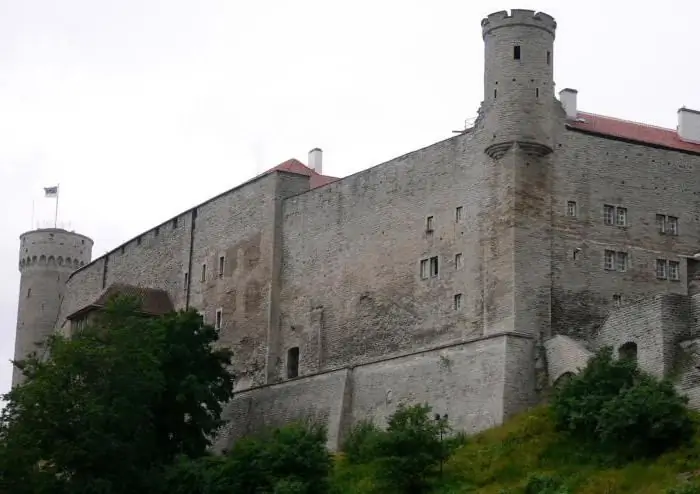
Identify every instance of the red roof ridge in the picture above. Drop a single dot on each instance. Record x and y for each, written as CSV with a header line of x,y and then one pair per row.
x,y
624,120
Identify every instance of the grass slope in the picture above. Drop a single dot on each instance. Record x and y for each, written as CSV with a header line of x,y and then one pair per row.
x,y
502,461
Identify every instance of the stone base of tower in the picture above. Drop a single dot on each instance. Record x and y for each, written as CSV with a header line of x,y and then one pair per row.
x,y
478,384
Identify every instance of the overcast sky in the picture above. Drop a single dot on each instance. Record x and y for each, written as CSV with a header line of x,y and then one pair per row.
x,y
144,108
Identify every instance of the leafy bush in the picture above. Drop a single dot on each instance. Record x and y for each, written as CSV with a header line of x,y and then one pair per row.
x,y
360,446
410,450
545,484
684,489
613,405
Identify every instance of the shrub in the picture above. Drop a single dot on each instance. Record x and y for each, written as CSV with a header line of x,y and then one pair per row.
x,y
684,489
410,450
362,442
545,484
612,405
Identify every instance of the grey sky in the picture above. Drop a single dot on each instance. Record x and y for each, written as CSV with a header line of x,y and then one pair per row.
x,y
143,108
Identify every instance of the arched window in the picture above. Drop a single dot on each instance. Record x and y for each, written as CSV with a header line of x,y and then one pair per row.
x,y
628,351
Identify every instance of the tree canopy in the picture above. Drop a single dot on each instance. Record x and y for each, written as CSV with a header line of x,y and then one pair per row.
x,y
113,403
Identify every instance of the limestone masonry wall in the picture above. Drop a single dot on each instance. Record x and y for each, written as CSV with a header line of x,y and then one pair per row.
x,y
352,251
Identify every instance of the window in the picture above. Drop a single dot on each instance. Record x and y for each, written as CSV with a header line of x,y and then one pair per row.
x,y
222,262
617,300
430,224
577,252
549,57
174,223
610,260
458,301
621,264
219,317
516,52
672,225
458,261
187,279
424,269
674,270
609,214
628,351
433,267
571,208
429,268
661,269
661,223
621,216
293,362
204,272
29,292
458,213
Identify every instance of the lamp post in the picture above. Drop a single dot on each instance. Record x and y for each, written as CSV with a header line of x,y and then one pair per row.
x,y
439,419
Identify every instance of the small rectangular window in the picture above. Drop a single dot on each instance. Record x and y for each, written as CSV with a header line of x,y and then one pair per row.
x,y
219,317
458,213
458,261
516,52
204,272
661,223
222,262
661,269
174,223
672,225
622,216
293,362
571,208
617,300
424,269
610,260
674,270
433,267
29,292
458,301
187,276
549,57
609,214
621,263
430,224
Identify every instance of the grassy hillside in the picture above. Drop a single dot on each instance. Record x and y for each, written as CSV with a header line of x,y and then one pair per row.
x,y
506,459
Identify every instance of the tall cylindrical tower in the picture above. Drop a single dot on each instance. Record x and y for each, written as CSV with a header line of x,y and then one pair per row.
x,y
46,258
518,80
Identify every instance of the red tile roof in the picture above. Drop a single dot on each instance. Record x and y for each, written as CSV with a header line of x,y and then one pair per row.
x,y
296,166
624,129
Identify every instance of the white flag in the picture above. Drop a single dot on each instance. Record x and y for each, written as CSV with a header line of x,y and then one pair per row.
x,y
51,191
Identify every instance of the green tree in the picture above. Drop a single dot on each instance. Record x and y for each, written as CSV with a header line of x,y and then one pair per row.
x,y
410,450
611,404
114,403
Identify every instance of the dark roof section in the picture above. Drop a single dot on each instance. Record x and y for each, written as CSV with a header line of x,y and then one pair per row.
x,y
154,301
296,166
632,131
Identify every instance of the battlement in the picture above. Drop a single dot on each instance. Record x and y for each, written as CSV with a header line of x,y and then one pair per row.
x,y
54,248
518,17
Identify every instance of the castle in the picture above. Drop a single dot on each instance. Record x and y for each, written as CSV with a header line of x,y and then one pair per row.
x,y
472,274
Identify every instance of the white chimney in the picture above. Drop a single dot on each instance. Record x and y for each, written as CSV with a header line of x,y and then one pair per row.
x,y
689,125
568,97
316,160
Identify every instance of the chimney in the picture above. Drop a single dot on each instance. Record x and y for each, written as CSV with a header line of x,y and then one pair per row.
x,y
568,97
689,125
316,160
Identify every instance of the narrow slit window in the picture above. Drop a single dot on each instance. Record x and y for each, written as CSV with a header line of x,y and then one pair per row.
x,y
29,292
458,301
293,362
459,261
187,276
433,267
495,93
549,57
459,212
430,224
219,318
222,262
516,52
537,92
204,272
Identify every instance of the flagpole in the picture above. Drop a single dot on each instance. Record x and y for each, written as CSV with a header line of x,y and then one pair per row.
x,y
55,218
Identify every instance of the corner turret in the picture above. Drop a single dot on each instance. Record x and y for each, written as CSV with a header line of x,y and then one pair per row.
x,y
518,81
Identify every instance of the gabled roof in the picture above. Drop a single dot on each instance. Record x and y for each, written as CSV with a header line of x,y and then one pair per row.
x,y
633,131
296,166
154,301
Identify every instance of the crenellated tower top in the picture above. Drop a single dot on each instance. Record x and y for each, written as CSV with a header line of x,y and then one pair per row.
x,y
518,17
